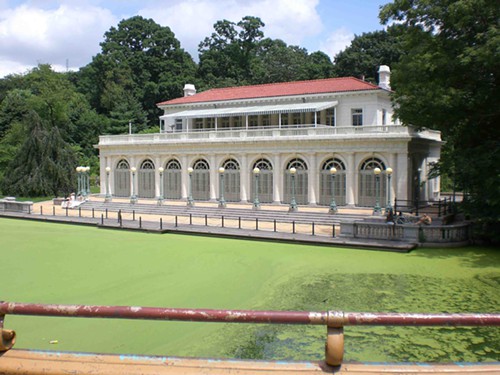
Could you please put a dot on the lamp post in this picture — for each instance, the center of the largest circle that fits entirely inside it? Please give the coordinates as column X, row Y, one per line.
column 190, row 201
column 222, row 202
column 293, row 202
column 133, row 197
column 107, row 197
column 256, row 203
column 333, row 204
column 388, row 172
column 79, row 175
column 377, row 210
column 160, row 198
column 86, row 184
column 417, row 193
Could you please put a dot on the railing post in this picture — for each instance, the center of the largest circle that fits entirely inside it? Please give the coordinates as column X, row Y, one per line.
column 256, row 223
column 293, row 226
column 190, row 219
column 66, row 210
column 41, row 210
column 161, row 223
column 140, row 222
column 334, row 348
column 239, row 222
column 133, row 215
column 312, row 228
column 206, row 220
column 333, row 230
column 92, row 212
column 222, row 221
column 176, row 221
column 53, row 211
column 275, row 225
column 102, row 219
column 79, row 212
column 106, row 213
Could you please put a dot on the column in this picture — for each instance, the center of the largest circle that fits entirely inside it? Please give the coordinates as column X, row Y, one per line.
column 214, row 177
column 313, row 177
column 184, row 176
column 244, row 182
column 402, row 178
column 157, row 161
column 351, row 186
column 277, row 178
column 392, row 158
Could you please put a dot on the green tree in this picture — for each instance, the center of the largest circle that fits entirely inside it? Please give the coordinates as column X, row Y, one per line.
column 367, row 52
column 447, row 79
column 141, row 60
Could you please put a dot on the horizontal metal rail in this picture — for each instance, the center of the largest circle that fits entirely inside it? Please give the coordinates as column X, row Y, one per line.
column 335, row 318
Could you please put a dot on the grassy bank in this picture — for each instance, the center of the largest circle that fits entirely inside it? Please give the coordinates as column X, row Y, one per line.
column 54, row 263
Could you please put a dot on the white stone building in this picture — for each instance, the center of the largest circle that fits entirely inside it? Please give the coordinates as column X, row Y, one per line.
column 311, row 126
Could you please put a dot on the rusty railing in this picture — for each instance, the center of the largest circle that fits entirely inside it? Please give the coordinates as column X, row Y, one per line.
column 333, row 320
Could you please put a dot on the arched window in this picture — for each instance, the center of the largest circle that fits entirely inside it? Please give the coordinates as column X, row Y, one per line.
column 146, row 179
column 265, row 181
column 231, row 180
column 122, row 179
column 201, row 180
column 368, row 183
column 172, row 180
column 325, row 182
column 300, row 183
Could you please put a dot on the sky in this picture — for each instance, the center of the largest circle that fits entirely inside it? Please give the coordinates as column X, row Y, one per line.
column 66, row 33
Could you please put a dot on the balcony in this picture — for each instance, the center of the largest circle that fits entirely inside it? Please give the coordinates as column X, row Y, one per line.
column 271, row 133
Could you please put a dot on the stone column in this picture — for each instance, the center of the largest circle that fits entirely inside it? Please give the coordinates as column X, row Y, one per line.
column 184, row 176
column 278, row 193
column 157, row 161
column 351, row 188
column 214, row 177
column 244, row 182
column 313, row 179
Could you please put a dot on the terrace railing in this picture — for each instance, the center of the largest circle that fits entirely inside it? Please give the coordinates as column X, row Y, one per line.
column 334, row 321
column 241, row 133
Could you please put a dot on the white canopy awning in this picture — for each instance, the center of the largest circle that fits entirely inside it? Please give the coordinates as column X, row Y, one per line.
column 254, row 110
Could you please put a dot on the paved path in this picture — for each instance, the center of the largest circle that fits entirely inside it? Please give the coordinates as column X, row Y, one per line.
column 271, row 223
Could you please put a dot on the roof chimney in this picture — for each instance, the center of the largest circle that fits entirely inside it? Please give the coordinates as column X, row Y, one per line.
column 189, row 89
column 384, row 77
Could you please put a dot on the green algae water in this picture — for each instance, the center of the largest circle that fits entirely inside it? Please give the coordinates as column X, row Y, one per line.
column 52, row 263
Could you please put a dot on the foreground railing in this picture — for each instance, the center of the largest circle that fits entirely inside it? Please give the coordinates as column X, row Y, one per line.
column 333, row 320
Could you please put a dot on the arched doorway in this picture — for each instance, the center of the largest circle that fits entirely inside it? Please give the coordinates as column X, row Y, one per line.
column 231, row 180
column 367, row 183
column 301, row 182
column 265, row 181
column 122, row 179
column 172, row 180
column 146, row 180
column 201, row 180
column 325, row 183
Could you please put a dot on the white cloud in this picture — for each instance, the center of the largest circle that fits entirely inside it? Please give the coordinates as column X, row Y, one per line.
column 30, row 35
column 337, row 41
column 193, row 20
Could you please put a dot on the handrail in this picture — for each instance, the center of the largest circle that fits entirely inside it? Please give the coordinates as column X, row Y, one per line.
column 334, row 320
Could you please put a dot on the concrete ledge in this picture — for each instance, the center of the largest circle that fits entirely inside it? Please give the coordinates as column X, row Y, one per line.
column 9, row 205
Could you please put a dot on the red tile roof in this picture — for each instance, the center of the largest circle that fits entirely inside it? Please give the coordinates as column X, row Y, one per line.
column 319, row 86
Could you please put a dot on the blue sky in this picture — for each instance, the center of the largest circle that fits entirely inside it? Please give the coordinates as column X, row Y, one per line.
column 68, row 32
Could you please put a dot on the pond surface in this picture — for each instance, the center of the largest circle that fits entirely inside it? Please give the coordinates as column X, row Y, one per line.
column 52, row 263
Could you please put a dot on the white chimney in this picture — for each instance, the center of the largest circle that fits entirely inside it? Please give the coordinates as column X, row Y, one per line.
column 189, row 89
column 384, row 77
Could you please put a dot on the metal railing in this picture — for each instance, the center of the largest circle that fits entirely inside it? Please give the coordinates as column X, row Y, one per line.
column 335, row 321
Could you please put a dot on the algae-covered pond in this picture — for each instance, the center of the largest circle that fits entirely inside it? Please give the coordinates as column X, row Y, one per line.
column 52, row 263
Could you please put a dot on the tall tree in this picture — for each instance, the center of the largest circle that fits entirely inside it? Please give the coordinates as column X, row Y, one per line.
column 142, row 59
column 367, row 52
column 448, row 80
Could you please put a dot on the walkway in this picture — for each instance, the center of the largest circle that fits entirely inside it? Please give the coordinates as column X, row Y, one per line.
column 310, row 225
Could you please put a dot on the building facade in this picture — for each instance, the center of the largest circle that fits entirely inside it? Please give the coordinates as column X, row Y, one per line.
column 307, row 139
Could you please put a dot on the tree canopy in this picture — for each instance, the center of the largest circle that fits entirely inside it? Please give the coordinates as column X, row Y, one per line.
column 447, row 79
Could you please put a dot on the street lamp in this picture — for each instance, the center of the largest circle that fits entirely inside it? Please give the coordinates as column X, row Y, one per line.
column 133, row 197
column 160, row 198
column 293, row 202
column 388, row 172
column 222, row 202
column 256, row 203
column 190, row 201
column 79, row 175
column 86, row 184
column 333, row 205
column 107, row 197
column 377, row 210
